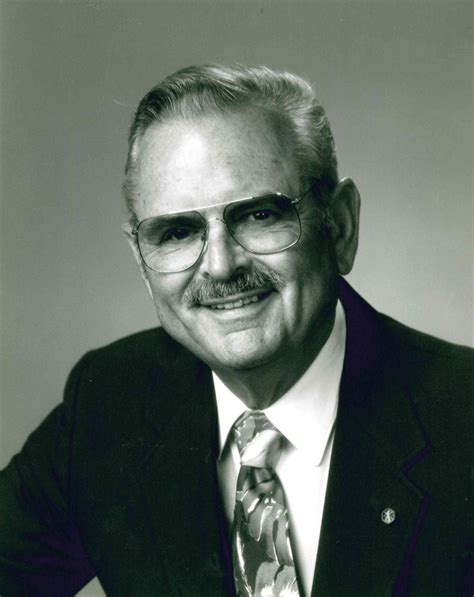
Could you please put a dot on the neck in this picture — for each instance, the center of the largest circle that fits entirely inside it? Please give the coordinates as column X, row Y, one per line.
column 261, row 386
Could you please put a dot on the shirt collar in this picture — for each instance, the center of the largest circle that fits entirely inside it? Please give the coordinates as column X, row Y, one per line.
column 305, row 414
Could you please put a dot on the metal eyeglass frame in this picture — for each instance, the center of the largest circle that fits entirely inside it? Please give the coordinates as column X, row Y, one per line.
column 296, row 201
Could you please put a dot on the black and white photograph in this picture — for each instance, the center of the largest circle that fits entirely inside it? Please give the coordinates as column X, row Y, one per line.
column 236, row 298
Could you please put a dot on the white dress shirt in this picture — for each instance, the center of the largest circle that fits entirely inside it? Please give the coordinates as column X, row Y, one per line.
column 305, row 416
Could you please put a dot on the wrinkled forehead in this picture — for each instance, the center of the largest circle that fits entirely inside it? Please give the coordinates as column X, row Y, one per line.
column 187, row 165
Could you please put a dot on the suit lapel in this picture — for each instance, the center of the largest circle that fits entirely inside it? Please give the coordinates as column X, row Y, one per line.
column 179, row 483
column 377, row 441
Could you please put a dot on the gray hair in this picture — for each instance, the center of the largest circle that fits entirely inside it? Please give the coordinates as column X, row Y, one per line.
column 200, row 90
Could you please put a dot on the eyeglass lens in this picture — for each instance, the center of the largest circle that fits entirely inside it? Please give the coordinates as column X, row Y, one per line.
column 263, row 225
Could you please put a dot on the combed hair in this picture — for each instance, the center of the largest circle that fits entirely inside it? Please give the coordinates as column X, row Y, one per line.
column 209, row 89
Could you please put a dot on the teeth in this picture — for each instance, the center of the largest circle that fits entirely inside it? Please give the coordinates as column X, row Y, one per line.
column 239, row 303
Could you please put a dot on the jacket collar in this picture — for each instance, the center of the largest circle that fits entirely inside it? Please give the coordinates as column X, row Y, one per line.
column 374, row 388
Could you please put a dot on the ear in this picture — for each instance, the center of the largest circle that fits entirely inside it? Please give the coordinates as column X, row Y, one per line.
column 132, row 241
column 345, row 224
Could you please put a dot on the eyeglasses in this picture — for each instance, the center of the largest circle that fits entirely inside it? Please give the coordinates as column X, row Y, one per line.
column 261, row 225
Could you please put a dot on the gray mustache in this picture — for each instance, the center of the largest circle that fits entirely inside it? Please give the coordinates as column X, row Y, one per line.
column 199, row 291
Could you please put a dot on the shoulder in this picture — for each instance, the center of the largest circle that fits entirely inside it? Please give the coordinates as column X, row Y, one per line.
column 438, row 375
column 433, row 358
column 135, row 345
column 422, row 343
column 137, row 353
column 377, row 343
column 124, row 375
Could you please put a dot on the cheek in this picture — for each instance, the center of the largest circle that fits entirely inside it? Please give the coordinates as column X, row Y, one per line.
column 166, row 299
column 317, row 255
column 167, row 291
column 309, row 262
column 311, row 280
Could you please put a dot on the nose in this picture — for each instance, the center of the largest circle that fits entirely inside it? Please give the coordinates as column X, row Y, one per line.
column 222, row 256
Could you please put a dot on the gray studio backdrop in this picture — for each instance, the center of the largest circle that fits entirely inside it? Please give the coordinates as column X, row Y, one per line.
column 395, row 78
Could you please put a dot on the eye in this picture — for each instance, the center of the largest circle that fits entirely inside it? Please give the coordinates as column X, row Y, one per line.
column 166, row 231
column 262, row 214
column 176, row 234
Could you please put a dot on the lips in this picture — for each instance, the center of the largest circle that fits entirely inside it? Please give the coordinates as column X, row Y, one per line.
column 237, row 302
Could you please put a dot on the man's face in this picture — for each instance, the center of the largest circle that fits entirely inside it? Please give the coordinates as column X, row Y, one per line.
column 187, row 165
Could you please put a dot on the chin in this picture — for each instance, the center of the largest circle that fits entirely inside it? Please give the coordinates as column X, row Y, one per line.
column 232, row 351
column 239, row 357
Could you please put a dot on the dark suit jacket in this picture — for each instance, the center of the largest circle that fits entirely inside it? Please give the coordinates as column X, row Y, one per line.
column 120, row 480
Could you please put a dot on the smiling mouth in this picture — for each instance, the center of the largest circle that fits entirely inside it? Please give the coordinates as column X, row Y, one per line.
column 237, row 303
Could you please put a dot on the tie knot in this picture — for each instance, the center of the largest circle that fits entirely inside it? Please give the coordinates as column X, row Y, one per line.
column 258, row 441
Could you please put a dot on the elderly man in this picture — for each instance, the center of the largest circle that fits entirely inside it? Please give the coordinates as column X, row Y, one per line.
column 276, row 436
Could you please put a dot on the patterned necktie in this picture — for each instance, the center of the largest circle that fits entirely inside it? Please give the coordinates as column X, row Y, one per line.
column 262, row 556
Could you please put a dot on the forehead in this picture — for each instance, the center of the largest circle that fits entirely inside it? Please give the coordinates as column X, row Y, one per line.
column 186, row 165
